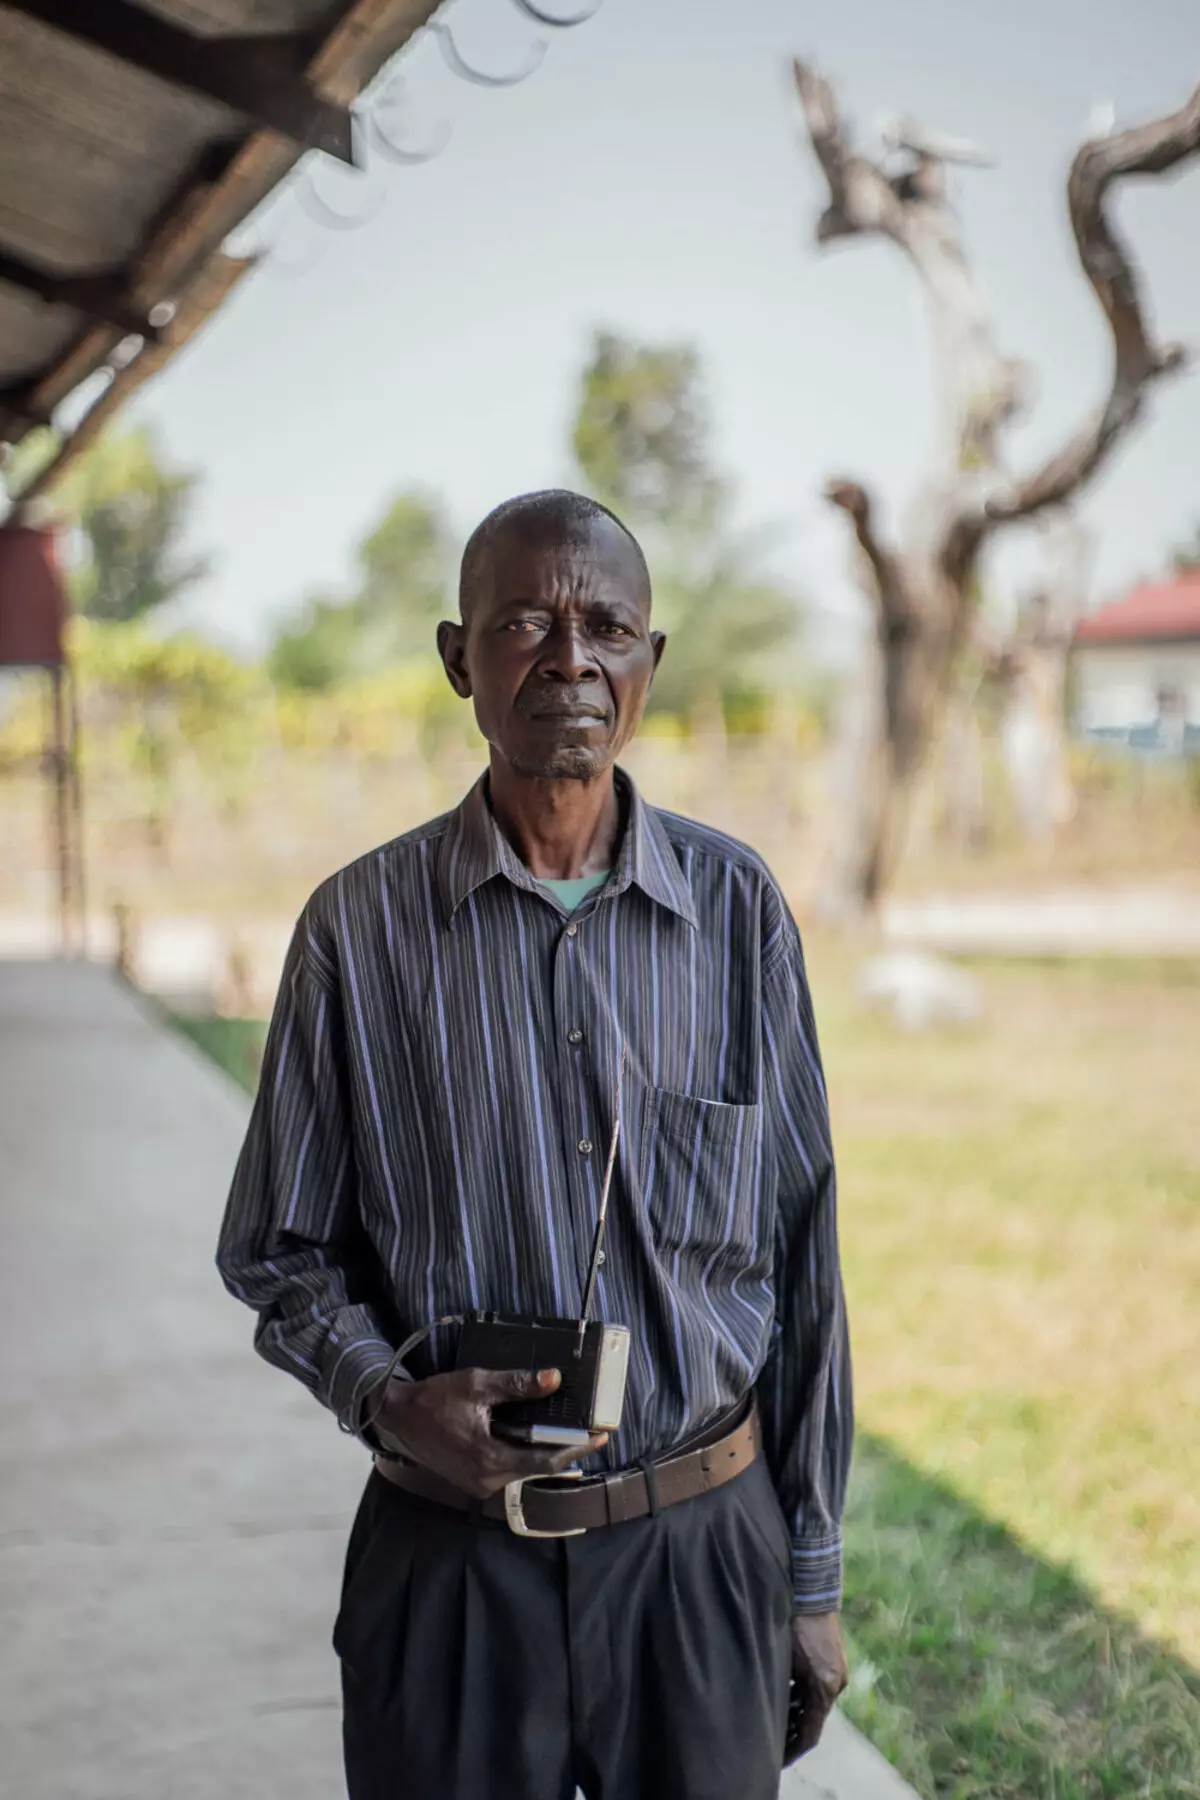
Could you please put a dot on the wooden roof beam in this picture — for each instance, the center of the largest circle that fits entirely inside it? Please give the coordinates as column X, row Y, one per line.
column 101, row 296
column 262, row 77
column 17, row 402
column 215, row 282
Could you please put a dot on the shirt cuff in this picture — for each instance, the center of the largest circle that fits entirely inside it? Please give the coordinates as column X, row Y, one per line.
column 817, row 1574
column 353, row 1368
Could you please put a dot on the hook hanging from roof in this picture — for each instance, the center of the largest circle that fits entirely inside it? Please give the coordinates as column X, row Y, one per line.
column 382, row 125
column 458, row 65
column 556, row 20
column 322, row 213
column 388, row 148
column 386, row 138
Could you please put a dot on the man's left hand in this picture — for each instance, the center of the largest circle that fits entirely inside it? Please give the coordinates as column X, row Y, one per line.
column 819, row 1673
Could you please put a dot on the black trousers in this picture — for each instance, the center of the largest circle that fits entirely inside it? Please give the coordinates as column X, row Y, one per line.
column 647, row 1661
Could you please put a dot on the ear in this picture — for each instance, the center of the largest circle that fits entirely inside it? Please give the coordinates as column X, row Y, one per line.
column 452, row 648
column 658, row 640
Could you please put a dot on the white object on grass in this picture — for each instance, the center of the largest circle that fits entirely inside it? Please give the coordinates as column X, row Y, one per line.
column 920, row 990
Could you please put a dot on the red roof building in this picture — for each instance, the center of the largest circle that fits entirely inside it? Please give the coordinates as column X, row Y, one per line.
column 1156, row 612
column 1136, row 668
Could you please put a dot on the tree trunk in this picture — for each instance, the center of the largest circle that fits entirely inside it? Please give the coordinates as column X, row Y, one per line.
column 1035, row 664
column 860, row 791
column 961, row 776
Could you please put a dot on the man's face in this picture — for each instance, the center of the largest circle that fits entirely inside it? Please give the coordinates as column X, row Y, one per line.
column 557, row 651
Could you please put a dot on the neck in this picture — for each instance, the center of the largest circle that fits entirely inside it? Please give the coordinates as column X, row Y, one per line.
column 560, row 829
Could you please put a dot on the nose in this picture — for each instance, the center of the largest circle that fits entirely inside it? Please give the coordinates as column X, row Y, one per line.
column 566, row 655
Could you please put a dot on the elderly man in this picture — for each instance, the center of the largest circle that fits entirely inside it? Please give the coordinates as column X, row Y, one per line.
column 429, row 1141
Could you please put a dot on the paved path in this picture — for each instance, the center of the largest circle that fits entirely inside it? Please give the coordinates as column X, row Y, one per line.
column 172, row 1512
column 1150, row 921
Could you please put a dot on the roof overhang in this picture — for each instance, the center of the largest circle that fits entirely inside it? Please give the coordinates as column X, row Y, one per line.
column 133, row 140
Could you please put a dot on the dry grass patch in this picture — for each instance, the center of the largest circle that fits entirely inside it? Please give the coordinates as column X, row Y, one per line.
column 1021, row 1230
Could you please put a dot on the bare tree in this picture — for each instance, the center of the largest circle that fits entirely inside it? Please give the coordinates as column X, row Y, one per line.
column 923, row 584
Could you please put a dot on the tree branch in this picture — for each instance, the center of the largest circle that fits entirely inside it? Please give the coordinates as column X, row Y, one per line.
column 860, row 196
column 1137, row 361
column 890, row 589
column 981, row 387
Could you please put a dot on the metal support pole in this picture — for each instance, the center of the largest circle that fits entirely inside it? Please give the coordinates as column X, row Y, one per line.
column 78, row 845
column 62, row 813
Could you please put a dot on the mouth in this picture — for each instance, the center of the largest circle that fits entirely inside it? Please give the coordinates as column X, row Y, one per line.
column 574, row 715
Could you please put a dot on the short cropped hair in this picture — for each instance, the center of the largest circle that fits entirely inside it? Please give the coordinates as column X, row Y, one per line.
column 550, row 509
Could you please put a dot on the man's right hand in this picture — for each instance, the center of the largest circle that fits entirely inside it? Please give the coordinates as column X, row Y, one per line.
column 445, row 1424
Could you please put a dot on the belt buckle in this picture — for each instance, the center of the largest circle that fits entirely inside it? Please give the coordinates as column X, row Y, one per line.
column 514, row 1511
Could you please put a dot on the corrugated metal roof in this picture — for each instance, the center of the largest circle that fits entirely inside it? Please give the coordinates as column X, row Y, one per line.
column 237, row 17
column 89, row 147
column 29, row 331
column 1152, row 613
column 107, row 170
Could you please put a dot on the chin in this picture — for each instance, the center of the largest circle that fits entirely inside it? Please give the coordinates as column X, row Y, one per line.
column 569, row 762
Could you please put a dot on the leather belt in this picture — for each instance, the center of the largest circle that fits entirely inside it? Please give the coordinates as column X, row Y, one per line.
column 562, row 1506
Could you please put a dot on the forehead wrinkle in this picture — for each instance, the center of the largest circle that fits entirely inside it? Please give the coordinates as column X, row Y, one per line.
column 575, row 573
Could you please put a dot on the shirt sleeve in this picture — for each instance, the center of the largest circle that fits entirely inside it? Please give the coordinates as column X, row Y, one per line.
column 292, row 1245
column 805, row 1396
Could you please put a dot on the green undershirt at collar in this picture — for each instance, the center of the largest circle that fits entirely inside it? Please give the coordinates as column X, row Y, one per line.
column 572, row 894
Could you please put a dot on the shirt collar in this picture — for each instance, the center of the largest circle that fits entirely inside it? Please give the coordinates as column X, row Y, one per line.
column 474, row 849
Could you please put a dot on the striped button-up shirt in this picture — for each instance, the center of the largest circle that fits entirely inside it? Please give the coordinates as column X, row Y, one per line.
column 433, row 1120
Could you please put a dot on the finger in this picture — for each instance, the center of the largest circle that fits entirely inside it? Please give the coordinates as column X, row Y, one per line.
column 526, row 1463
column 792, row 1748
column 565, row 1457
column 810, row 1723
column 496, row 1385
column 808, row 1733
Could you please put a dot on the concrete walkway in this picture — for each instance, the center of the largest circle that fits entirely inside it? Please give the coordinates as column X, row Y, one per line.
column 1142, row 921
column 172, row 1513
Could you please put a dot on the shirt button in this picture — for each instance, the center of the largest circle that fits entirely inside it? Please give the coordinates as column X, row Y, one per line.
column 585, row 1146
column 575, row 1037
column 571, row 930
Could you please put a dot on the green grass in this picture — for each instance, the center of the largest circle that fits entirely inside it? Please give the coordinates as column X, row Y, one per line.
column 985, row 1672
column 1020, row 1213
column 1020, row 1208
column 236, row 1045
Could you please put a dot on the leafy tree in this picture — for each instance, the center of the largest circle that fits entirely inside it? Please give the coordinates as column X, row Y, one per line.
column 725, row 621
column 27, row 459
column 400, row 591
column 154, row 697
column 642, row 442
column 316, row 649
column 641, row 433
column 403, row 566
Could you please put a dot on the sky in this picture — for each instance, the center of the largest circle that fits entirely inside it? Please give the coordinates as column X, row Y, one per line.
column 652, row 177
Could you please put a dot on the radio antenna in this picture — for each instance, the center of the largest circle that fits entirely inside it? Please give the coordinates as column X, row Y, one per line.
column 589, row 1286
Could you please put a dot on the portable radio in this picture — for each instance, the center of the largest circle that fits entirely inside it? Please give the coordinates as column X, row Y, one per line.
column 594, row 1363
column 593, row 1357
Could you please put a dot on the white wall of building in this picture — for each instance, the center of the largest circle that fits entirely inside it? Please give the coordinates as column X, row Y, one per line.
column 1117, row 685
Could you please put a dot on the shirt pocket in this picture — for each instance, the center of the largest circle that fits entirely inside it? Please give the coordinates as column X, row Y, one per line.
column 702, row 1162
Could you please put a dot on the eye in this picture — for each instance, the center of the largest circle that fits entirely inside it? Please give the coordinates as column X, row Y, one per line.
column 522, row 627
column 613, row 628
